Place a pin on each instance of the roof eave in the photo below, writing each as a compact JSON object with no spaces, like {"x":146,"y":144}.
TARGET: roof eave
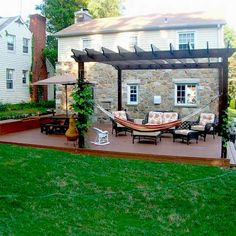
{"x":164,"y":27}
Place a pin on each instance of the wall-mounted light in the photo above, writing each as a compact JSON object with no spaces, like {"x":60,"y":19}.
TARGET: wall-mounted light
{"x":157,"y":100}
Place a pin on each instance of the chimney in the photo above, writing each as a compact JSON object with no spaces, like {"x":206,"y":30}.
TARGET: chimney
{"x":82,"y":15}
{"x":39,"y":70}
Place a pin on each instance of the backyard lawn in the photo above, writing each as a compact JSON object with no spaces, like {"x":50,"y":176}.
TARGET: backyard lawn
{"x":46,"y":192}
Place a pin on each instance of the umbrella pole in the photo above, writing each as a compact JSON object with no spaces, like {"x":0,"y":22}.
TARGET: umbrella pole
{"x":66,"y":100}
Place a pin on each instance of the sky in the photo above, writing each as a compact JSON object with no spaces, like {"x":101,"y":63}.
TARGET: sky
{"x":224,"y":8}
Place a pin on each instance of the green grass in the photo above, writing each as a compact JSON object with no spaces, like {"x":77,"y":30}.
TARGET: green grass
{"x":45,"y":192}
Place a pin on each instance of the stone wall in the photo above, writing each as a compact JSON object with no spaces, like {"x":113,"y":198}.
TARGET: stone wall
{"x":150,"y":82}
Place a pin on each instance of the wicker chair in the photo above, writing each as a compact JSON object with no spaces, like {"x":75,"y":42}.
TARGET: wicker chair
{"x":116,"y":126}
{"x":206,"y":124}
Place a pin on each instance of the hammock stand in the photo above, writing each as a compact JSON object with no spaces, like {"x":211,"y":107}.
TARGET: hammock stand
{"x":153,"y":127}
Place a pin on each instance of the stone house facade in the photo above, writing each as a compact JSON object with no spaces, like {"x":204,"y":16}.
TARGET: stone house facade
{"x":144,"y":90}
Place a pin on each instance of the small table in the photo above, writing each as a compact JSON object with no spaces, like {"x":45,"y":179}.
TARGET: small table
{"x":147,"y":136}
{"x":185,"y":135}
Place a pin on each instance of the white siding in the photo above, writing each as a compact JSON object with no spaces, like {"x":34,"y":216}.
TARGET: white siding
{"x":160,"y":39}
{"x":16,"y":60}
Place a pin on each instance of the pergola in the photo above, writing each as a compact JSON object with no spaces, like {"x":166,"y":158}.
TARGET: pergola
{"x":156,"y":59}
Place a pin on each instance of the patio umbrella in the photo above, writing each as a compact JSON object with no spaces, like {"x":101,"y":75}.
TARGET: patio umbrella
{"x":65,"y":79}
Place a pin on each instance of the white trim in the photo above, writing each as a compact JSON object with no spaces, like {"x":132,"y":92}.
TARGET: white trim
{"x":12,"y":79}
{"x":14,"y":42}
{"x":86,"y":39}
{"x":186,"y":81}
{"x":186,"y":32}
{"x":128,"y":94}
{"x":28,"y":43}
{"x":185,"y":104}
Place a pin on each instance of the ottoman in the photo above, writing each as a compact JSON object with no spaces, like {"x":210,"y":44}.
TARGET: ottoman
{"x":147,"y":136}
{"x":185,"y":135}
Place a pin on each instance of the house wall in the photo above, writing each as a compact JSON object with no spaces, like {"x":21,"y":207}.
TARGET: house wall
{"x":150,"y":82}
{"x":16,"y":60}
{"x":161,"y":39}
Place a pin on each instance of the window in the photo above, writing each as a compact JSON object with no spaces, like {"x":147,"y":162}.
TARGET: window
{"x":185,"y":39}
{"x":24,"y":76}
{"x":132,"y":94}
{"x":133,"y":41}
{"x":25,"y":45}
{"x":87,"y":43}
{"x":186,"y":94}
{"x":10,"y":42}
{"x":9,"y":79}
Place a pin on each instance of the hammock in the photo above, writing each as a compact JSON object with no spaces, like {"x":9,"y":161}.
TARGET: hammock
{"x":153,"y":127}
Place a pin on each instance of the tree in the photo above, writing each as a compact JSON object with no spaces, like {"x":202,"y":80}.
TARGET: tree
{"x":230,"y":37}
{"x":50,"y":52}
{"x":104,"y":8}
{"x":60,"y":13}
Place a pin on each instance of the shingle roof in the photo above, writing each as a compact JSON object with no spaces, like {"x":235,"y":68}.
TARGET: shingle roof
{"x":5,"y":21}
{"x":145,"y":22}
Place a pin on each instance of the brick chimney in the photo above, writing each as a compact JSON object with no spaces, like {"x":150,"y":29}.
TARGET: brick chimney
{"x":39,"y":69}
{"x":82,"y":15}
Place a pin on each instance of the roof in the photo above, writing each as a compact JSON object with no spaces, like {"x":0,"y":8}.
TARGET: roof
{"x":5,"y":21}
{"x":137,"y":23}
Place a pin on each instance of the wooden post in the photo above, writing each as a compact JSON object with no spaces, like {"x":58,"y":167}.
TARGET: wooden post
{"x":223,"y":105}
{"x":81,"y":118}
{"x":81,"y":71}
{"x":119,"y":85}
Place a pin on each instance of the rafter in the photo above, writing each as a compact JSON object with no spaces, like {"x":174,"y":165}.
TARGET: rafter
{"x":155,"y":59}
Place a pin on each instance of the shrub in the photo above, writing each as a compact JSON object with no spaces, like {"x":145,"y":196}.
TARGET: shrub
{"x":232,"y":103}
{"x":25,"y":105}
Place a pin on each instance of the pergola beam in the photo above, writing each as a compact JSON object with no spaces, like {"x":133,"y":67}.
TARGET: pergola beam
{"x":150,"y":55}
{"x":122,"y":66}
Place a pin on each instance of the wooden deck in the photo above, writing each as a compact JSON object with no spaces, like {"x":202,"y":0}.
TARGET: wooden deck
{"x":207,"y":153}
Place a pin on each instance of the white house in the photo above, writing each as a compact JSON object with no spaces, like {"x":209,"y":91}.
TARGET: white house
{"x":15,"y":60}
{"x":194,"y":30}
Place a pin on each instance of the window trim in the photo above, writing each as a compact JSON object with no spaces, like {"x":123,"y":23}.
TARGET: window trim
{"x":186,"y":104}
{"x":14,"y":42}
{"x":129,"y":102}
{"x":186,"y":32}
{"x":12,"y":78}
{"x":87,"y":39}
{"x":23,"y":47}
{"x":24,"y":76}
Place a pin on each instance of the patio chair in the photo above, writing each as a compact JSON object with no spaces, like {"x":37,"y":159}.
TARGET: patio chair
{"x":118,"y":127}
{"x":206,"y":124}
{"x":101,"y":137}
